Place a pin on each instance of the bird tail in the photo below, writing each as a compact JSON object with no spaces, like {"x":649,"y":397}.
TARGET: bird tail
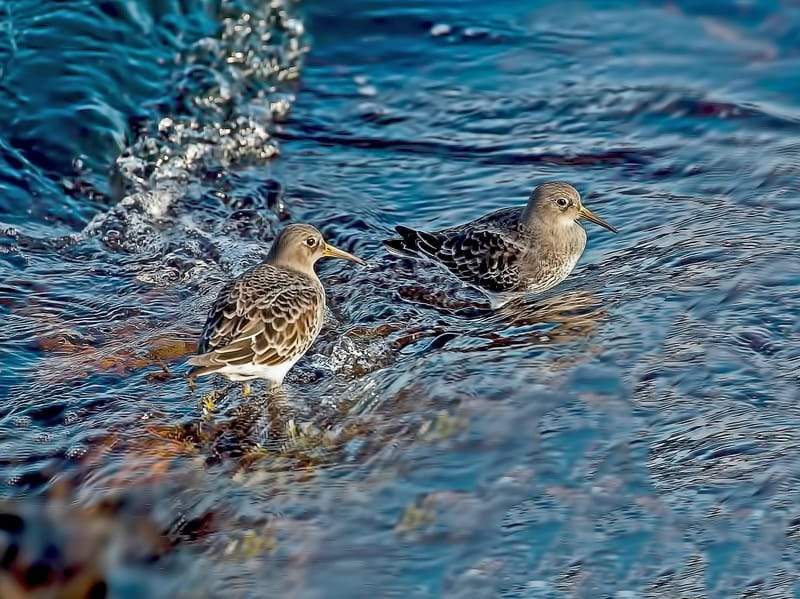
{"x":203,"y":364}
{"x":411,"y":243}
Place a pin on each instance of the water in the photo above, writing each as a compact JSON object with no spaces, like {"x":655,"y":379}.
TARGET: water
{"x":631,"y":433}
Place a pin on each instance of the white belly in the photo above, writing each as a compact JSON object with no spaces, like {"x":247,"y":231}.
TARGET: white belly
{"x":498,"y":300}
{"x":248,"y":372}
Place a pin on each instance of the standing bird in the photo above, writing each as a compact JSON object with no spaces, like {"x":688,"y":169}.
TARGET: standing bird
{"x":512,"y":251}
{"x":265,"y":320}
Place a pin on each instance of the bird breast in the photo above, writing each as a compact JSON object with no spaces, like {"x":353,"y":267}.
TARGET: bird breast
{"x":553,"y":256}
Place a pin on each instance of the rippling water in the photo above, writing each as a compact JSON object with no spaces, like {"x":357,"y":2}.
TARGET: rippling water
{"x":633,"y":432}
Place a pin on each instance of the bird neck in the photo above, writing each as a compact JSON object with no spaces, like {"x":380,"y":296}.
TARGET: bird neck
{"x":556,"y":232}
{"x":303,"y":269}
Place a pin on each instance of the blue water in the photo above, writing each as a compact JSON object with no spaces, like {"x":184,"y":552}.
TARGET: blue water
{"x":631,"y":433}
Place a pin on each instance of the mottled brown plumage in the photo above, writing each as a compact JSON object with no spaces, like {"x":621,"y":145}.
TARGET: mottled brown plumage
{"x":266,"y":319}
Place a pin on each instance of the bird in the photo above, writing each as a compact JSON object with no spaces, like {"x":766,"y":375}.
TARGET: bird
{"x":512,"y":251}
{"x":266,"y":319}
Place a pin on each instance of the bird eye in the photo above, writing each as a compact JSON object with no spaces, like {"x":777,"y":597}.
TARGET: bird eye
{"x":311,"y":242}
{"x":562,"y":202}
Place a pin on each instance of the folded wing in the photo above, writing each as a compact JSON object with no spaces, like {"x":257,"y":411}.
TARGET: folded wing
{"x":255,"y":321}
{"x":478,"y":256}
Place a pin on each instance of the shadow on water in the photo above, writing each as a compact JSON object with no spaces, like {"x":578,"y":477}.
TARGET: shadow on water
{"x":634,"y":430}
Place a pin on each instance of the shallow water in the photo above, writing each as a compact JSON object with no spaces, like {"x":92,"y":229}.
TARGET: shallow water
{"x":633,"y":432}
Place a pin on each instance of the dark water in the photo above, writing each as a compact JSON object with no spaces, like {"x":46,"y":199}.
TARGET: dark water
{"x":632,"y":433}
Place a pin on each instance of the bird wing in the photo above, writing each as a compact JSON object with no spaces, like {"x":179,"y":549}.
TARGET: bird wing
{"x":477,"y":254}
{"x":259,"y":319}
{"x":481,"y":257}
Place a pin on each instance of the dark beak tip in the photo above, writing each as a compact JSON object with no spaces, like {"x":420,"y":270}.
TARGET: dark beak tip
{"x":592,"y":217}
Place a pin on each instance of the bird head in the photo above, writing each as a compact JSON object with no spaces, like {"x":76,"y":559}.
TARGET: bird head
{"x":559,"y":203}
{"x":300,"y":246}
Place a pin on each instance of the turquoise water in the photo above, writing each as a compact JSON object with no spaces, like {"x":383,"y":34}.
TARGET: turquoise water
{"x":631,"y":433}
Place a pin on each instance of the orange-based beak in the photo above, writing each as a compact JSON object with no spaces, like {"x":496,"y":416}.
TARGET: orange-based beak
{"x":331,"y":251}
{"x":591,"y":216}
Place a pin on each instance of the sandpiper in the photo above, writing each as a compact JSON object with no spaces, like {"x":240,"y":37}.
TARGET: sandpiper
{"x":512,"y":251}
{"x":265,"y":320}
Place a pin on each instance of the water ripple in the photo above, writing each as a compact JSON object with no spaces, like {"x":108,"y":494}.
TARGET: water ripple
{"x":631,"y":432}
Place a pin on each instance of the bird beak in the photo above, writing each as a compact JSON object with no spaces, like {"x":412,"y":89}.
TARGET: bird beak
{"x":591,"y":216}
{"x":334,"y":252}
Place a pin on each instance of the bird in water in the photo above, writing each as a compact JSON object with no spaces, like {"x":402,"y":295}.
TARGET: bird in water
{"x":513,"y":251}
{"x":265,"y":320}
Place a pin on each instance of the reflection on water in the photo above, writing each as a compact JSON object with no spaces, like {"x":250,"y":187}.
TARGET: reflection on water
{"x":633,"y":432}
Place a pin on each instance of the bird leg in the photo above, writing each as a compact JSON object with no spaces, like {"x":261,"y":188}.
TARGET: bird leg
{"x":164,"y":367}
{"x":246,"y":389}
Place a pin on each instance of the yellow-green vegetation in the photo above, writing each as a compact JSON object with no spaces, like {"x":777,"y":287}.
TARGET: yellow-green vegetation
{"x":442,"y":427}
{"x":208,"y":403}
{"x":416,"y":516}
{"x":252,"y":544}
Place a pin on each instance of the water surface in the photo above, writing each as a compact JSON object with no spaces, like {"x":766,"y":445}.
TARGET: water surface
{"x":633,"y":432}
